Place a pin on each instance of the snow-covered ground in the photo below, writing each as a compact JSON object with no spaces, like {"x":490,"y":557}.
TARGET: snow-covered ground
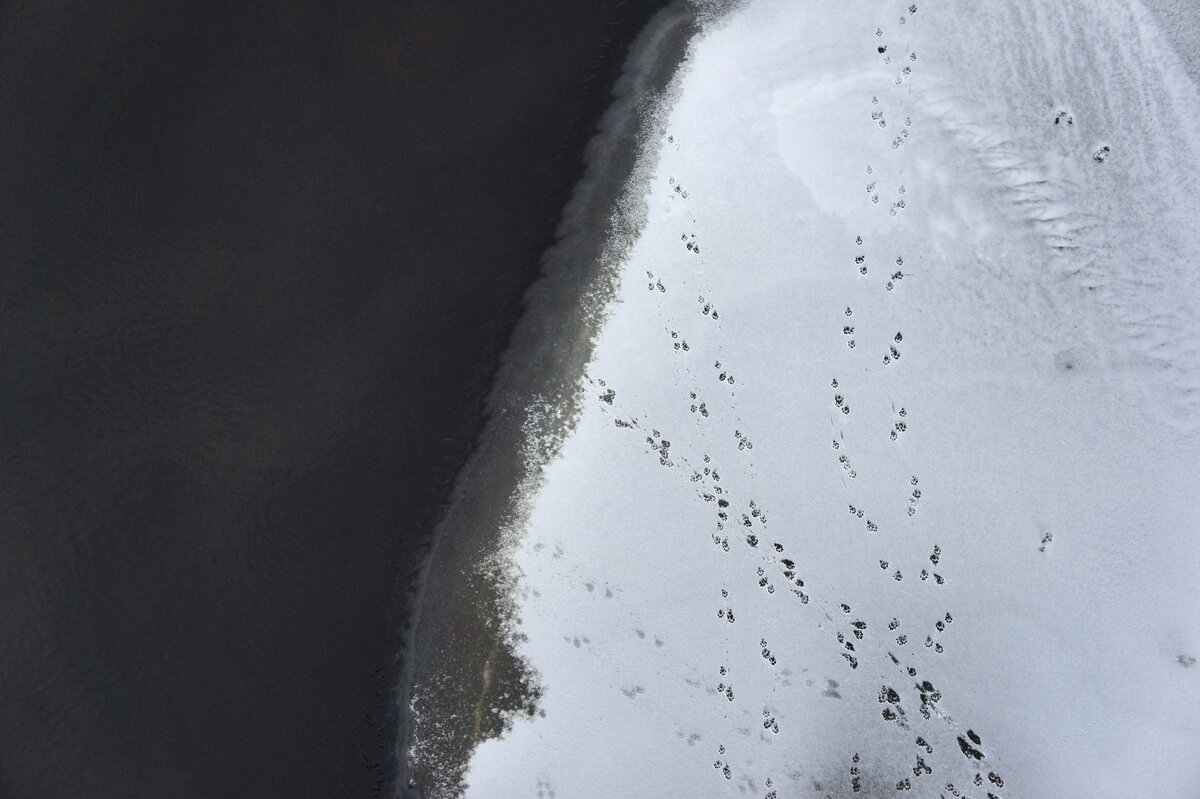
{"x":887,"y":471}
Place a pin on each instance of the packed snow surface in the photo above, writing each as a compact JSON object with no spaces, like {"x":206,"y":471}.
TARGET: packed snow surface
{"x":886,"y":475}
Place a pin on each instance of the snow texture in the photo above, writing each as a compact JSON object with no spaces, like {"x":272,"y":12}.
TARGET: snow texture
{"x":885,"y":475}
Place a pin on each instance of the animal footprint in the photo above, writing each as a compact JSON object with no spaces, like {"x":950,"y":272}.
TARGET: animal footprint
{"x":680,"y":344}
{"x":915,"y":497}
{"x":766,"y":652}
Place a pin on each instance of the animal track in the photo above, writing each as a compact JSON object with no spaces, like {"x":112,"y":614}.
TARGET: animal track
{"x":682,"y":192}
{"x":680,"y":344}
{"x":724,"y":482}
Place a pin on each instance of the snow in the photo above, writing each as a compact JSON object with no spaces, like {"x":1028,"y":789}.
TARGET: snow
{"x":1007,"y":508}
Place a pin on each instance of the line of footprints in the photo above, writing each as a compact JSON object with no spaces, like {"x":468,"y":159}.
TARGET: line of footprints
{"x":739,"y":523}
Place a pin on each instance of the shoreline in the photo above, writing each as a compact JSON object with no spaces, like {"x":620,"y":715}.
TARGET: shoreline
{"x":530,"y":411}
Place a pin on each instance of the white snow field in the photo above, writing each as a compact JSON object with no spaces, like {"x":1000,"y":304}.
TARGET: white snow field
{"x":887,"y":471}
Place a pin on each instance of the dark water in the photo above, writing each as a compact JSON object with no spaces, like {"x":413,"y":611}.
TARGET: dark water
{"x":257,"y":261}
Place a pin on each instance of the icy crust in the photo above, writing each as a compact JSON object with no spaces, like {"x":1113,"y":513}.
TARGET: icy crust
{"x":883,"y":479}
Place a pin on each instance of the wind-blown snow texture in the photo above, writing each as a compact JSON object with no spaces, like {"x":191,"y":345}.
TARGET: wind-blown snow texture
{"x":885,"y":478}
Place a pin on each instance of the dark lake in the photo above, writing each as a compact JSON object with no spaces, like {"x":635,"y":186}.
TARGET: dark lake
{"x":257,"y":263}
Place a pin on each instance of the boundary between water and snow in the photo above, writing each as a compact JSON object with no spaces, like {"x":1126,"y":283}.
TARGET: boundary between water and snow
{"x":463,"y":682}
